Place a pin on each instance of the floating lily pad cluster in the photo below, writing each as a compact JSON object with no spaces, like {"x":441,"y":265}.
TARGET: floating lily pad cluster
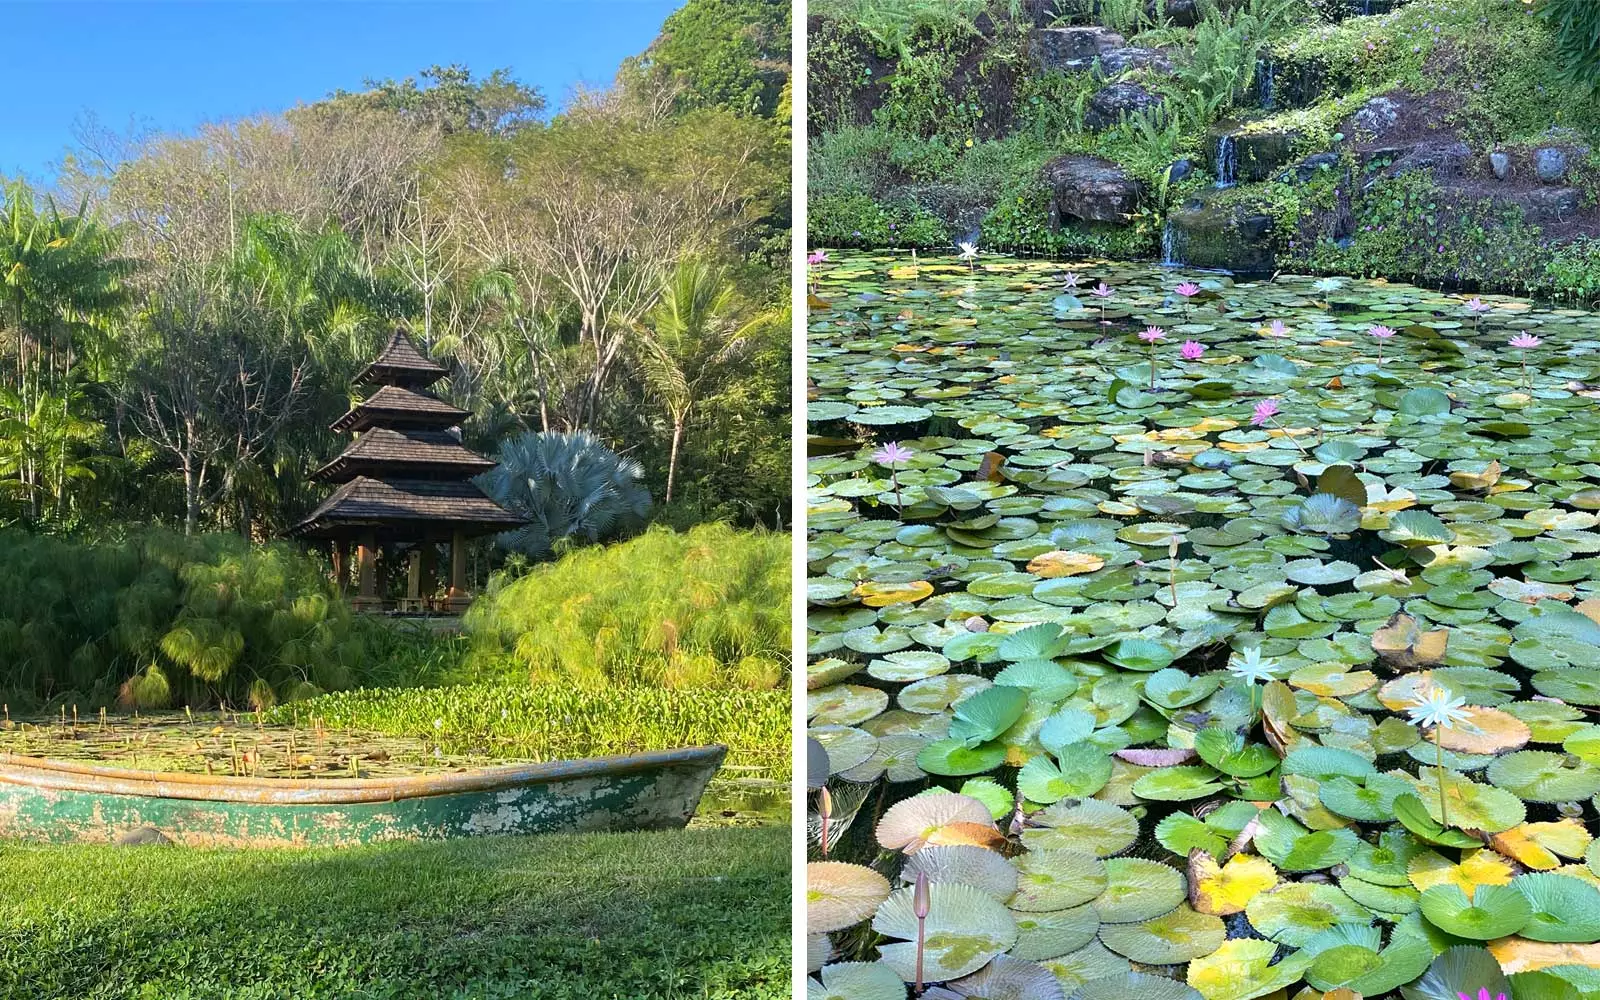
{"x":1113,"y":679}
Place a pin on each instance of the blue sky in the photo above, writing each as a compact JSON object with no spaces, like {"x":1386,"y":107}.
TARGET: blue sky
{"x":174,"y":64}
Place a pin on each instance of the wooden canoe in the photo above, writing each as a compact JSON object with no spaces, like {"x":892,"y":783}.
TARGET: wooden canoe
{"x":66,"y":802}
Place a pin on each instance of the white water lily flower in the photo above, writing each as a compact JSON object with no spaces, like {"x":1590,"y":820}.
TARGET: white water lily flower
{"x":1437,"y":708}
{"x":969,"y":251}
{"x":1250,"y":666}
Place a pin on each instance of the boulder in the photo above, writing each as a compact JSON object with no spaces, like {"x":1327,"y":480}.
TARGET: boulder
{"x":1073,"y":49}
{"x":1500,"y":163}
{"x":1090,"y":189}
{"x":1240,"y":154}
{"x":1543,"y":204}
{"x":1550,"y":163}
{"x":1377,"y":116}
{"x":1116,"y":102}
{"x":1115,"y":62}
{"x":1236,"y":237}
{"x":1310,"y":167}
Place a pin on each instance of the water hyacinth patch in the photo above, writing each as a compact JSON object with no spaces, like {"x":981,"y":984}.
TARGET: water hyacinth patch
{"x":1180,"y":738}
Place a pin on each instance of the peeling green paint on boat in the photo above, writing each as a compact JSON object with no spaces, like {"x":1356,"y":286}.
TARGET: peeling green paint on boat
{"x":56,"y":802}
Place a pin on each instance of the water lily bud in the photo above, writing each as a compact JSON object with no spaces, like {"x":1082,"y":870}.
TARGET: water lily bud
{"x":824,"y":802}
{"x":919,"y":897}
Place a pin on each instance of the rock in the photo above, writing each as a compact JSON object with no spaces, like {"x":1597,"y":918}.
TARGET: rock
{"x":1377,"y":115}
{"x":1310,"y":167}
{"x":1543,"y":204}
{"x":1550,"y":163}
{"x":1179,"y":170}
{"x":1090,"y":189}
{"x":1241,"y":155}
{"x":1073,"y":49}
{"x":1237,"y":237}
{"x":1116,"y":102}
{"x":1445,"y":159}
{"x":1500,"y":163}
{"x":1115,"y":62}
{"x":1182,"y":13}
{"x":146,"y":836}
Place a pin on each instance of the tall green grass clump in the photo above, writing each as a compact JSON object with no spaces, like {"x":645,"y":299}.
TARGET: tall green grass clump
{"x":704,"y":608}
{"x":556,"y":721}
{"x":154,"y":619}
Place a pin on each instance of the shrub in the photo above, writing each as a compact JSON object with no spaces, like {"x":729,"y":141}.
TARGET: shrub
{"x":156,"y":618}
{"x":570,"y":487}
{"x":704,"y":608}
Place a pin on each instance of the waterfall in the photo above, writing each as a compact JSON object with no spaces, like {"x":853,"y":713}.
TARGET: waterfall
{"x":1227,"y":162}
{"x":1264,"y":74}
{"x":1171,"y":245}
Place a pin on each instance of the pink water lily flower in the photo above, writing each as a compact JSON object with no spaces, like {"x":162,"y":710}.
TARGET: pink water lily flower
{"x":1152,"y":334}
{"x":1278,"y":329}
{"x":816,"y":256}
{"x":1265,"y":411}
{"x":1524,"y":342}
{"x":892,"y":453}
{"x":1188,"y":289}
{"x":1477,"y":305}
{"x":1070,"y":279}
{"x":1102,"y":292}
{"x":892,"y":456}
{"x":1191,"y":350}
{"x":1382,"y":333}
{"x":1483,"y":994}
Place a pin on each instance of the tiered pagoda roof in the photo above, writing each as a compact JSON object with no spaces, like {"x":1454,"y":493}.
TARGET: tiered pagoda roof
{"x":406,"y":475}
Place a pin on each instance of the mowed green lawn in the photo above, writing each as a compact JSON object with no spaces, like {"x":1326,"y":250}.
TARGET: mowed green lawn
{"x":697,"y":913}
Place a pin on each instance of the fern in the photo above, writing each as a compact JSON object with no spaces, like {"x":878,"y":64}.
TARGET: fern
{"x":1576,"y":26}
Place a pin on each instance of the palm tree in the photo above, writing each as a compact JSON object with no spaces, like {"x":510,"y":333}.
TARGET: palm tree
{"x":568,"y":487}
{"x":693,"y":344}
{"x":59,"y":281}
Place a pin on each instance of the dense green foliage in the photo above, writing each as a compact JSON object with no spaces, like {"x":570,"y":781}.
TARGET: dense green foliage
{"x":555,"y":721}
{"x":932,"y":122}
{"x":724,"y":53}
{"x":527,"y":250}
{"x":1576,"y":24}
{"x":571,"y":489}
{"x":169,"y":619}
{"x":704,"y":608}
{"x":646,"y":916}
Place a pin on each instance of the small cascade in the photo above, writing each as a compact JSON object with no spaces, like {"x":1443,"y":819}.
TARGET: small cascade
{"x":1172,"y":240}
{"x":1227,"y":162}
{"x":1264,"y":74}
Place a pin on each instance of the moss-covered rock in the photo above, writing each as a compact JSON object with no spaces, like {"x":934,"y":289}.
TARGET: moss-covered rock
{"x":1235,"y":234}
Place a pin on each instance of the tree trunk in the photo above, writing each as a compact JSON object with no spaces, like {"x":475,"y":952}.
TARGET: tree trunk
{"x":191,"y":498}
{"x":672,"y":456}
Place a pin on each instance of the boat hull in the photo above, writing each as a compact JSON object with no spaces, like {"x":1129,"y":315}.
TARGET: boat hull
{"x":57,"y":802}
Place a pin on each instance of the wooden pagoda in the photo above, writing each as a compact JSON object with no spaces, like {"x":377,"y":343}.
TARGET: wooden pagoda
{"x":404,"y":487}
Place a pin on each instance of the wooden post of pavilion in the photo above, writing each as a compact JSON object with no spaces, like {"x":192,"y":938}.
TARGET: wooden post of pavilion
{"x":406,"y":478}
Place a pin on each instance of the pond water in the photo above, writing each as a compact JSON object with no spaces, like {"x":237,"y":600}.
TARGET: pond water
{"x":1154,"y":622}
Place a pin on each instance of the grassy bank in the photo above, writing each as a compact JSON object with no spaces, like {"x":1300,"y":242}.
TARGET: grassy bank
{"x":551,"y":721}
{"x":659,"y":915}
